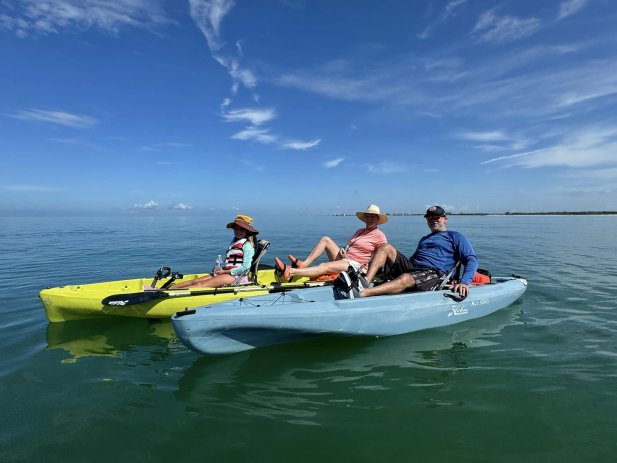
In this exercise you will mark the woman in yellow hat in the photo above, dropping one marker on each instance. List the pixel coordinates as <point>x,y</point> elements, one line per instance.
<point>238,257</point>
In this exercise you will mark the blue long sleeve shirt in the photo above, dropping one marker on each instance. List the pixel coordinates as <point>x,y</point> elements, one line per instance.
<point>442,250</point>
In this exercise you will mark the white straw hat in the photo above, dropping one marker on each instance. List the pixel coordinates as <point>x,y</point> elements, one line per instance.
<point>373,209</point>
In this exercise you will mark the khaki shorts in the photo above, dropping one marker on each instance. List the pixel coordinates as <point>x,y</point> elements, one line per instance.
<point>357,266</point>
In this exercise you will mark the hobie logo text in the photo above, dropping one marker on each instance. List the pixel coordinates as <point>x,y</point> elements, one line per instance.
<point>118,302</point>
<point>458,310</point>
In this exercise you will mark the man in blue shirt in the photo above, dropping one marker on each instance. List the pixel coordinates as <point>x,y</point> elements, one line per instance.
<point>437,253</point>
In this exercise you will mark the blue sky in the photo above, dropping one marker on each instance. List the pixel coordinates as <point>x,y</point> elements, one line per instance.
<point>312,106</point>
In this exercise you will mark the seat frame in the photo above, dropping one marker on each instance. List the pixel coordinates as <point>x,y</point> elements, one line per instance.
<point>260,250</point>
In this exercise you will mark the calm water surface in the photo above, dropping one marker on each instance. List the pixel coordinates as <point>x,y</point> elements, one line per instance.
<point>536,382</point>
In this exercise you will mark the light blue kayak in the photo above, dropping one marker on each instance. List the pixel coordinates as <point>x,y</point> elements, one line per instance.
<point>247,323</point>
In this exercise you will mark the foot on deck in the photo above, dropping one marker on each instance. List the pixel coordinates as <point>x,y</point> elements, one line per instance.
<point>281,270</point>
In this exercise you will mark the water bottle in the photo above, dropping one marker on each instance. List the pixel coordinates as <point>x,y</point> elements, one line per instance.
<point>218,265</point>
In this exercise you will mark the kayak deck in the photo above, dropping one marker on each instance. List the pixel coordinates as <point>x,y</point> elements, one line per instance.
<point>246,323</point>
<point>77,302</point>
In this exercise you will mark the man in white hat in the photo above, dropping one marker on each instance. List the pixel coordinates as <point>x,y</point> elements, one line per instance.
<point>355,254</point>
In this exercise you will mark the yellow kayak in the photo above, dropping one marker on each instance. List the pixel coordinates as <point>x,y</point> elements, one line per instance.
<point>127,298</point>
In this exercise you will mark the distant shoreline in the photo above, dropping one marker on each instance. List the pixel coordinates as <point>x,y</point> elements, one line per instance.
<point>398,214</point>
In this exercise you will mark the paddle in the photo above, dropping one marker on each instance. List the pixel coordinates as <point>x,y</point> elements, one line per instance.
<point>122,300</point>
<point>146,296</point>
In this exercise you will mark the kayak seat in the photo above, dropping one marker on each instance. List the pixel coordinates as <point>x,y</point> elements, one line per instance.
<point>445,279</point>
<point>481,277</point>
<point>260,250</point>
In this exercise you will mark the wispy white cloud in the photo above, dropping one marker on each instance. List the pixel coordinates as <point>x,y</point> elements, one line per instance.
<point>451,6</point>
<point>239,75</point>
<point>162,146</point>
<point>182,207</point>
<point>254,116</point>
<point>497,88</point>
<point>149,205</point>
<point>55,117</point>
<point>605,174</point>
<point>549,91</point>
<point>257,134</point>
<point>447,12</point>
<point>589,147</point>
<point>301,145</point>
<point>604,85</point>
<point>262,135</point>
<point>499,29</point>
<point>483,136</point>
<point>333,163</point>
<point>570,7</point>
<point>348,85</point>
<point>495,140</point>
<point>208,15</point>
<point>43,17</point>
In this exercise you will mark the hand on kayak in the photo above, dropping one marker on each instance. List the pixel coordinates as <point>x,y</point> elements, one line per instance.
<point>461,288</point>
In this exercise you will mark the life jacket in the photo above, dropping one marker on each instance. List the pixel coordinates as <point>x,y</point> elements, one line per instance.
<point>235,256</point>
<point>481,277</point>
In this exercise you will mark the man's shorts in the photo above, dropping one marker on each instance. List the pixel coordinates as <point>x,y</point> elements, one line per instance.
<point>426,278</point>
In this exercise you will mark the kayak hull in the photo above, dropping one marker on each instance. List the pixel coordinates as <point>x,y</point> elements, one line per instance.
<point>78,302</point>
<point>247,323</point>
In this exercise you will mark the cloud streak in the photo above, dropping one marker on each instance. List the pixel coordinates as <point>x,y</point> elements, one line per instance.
<point>570,7</point>
<point>447,12</point>
<point>256,131</point>
<point>494,89</point>
<point>483,136</point>
<point>495,29</point>
<point>208,15</point>
<point>301,145</point>
<point>590,147</point>
<point>45,17</point>
<point>65,119</point>
<point>333,163</point>
<point>255,116</point>
<point>257,134</point>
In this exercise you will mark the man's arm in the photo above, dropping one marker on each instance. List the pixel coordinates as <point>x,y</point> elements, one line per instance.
<point>468,258</point>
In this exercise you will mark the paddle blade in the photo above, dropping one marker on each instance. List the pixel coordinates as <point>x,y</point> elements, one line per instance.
<point>120,300</point>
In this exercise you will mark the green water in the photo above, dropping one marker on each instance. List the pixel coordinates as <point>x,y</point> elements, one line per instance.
<point>535,382</point>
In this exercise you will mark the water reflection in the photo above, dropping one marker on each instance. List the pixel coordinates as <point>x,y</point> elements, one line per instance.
<point>107,338</point>
<point>298,382</point>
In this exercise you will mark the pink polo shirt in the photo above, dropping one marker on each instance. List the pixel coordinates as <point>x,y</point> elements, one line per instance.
<point>364,243</point>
